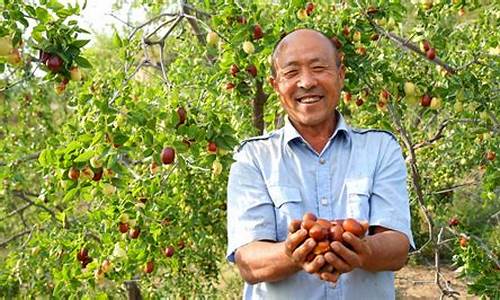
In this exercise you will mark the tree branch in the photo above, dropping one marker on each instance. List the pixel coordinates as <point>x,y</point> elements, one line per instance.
<point>161,26</point>
<point>149,42</point>
<point>415,174</point>
<point>20,80</point>
<point>445,291</point>
<point>437,136</point>
<point>454,187</point>
<point>14,237</point>
<point>407,45</point>
<point>193,22</point>
<point>258,107</point>
<point>22,195</point>
<point>17,210</point>
<point>22,159</point>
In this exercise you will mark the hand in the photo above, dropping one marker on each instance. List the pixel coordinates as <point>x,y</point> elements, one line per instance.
<point>299,245</point>
<point>328,273</point>
<point>344,259</point>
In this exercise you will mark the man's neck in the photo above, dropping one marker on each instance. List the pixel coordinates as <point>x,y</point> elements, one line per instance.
<point>318,136</point>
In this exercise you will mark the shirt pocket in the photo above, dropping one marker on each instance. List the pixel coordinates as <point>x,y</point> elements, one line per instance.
<point>287,206</point>
<point>357,198</point>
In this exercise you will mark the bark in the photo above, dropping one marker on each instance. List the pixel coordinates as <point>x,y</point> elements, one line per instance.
<point>258,107</point>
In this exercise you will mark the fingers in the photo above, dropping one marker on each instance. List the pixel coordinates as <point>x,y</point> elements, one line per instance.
<point>315,265</point>
<point>300,254</point>
<point>327,268</point>
<point>294,226</point>
<point>365,225</point>
<point>358,245</point>
<point>330,276</point>
<point>294,240</point>
<point>336,261</point>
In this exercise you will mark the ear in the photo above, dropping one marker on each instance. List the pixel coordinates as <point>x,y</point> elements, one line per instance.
<point>273,83</point>
<point>341,76</point>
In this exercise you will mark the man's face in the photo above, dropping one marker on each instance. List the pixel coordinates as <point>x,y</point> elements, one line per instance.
<point>308,80</point>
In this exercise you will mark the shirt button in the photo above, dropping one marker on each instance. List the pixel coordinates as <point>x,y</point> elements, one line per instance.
<point>322,161</point>
<point>324,201</point>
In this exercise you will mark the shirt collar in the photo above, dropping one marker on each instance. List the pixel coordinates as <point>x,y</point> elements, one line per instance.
<point>290,133</point>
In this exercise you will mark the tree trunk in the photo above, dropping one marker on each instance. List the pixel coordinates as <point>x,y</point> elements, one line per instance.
<point>134,293</point>
<point>258,107</point>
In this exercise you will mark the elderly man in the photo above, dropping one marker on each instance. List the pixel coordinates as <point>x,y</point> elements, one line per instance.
<point>316,163</point>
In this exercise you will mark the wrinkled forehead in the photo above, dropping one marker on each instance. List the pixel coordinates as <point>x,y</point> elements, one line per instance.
<point>303,46</point>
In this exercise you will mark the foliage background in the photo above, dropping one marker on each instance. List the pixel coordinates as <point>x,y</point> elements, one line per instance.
<point>124,112</point>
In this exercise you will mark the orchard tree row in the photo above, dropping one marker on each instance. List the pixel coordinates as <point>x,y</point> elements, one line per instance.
<point>115,150</point>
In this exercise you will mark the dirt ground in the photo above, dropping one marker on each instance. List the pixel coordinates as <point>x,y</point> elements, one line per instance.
<point>417,282</point>
<point>412,283</point>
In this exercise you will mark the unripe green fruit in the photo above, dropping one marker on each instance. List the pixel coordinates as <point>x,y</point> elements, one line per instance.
<point>75,74</point>
<point>216,168</point>
<point>248,47</point>
<point>302,14</point>
<point>108,189</point>
<point>212,38</point>
<point>5,45</point>
<point>435,103</point>
<point>410,89</point>
<point>95,162</point>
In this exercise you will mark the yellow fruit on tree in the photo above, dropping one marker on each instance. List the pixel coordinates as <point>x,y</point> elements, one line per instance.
<point>435,103</point>
<point>108,189</point>
<point>14,57</point>
<point>410,89</point>
<point>248,47</point>
<point>5,45</point>
<point>216,168</point>
<point>212,38</point>
<point>302,14</point>
<point>75,74</point>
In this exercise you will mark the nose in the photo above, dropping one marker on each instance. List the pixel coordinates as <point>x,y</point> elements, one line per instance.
<point>307,80</point>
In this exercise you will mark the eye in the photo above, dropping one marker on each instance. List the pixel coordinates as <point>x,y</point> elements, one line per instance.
<point>318,68</point>
<point>290,73</point>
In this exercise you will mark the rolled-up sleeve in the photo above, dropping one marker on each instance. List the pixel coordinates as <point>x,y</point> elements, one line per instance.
<point>250,211</point>
<point>389,201</point>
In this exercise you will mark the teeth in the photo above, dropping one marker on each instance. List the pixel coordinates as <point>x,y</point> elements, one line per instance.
<point>309,100</point>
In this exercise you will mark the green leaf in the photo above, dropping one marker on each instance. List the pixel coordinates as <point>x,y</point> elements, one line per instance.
<point>73,51</point>
<point>54,5</point>
<point>31,11</point>
<point>17,38</point>
<point>70,194</point>
<point>80,43</point>
<point>72,146</point>
<point>120,139</point>
<point>24,22</point>
<point>61,216</point>
<point>83,30</point>
<point>85,156</point>
<point>63,56</point>
<point>47,157</point>
<point>37,33</point>
<point>148,138</point>
<point>117,41</point>
<point>148,152</point>
<point>102,296</point>
<point>83,62</point>
<point>42,14</point>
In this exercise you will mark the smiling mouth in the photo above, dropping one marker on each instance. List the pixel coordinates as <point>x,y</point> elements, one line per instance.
<point>309,99</point>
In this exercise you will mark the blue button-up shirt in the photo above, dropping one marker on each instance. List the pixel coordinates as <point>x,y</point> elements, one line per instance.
<point>278,177</point>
